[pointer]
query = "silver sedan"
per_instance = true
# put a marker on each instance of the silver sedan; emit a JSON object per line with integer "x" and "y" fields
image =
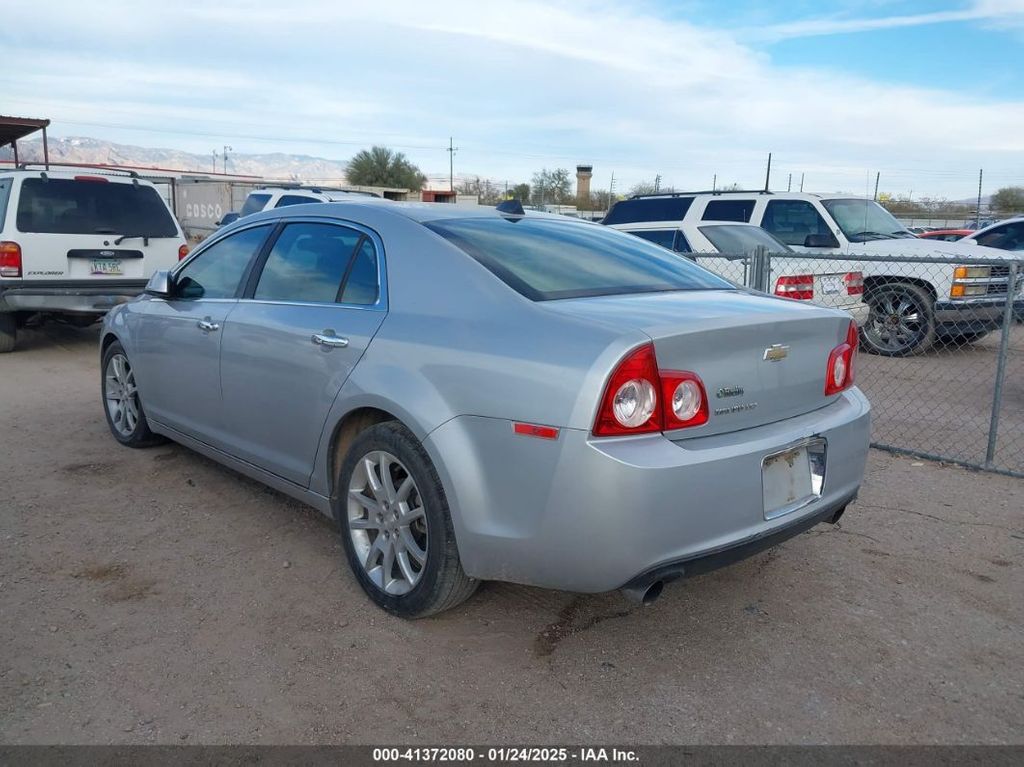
{"x": 478, "y": 394}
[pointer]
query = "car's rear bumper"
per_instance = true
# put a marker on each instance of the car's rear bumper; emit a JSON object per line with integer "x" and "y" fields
{"x": 591, "y": 515}
{"x": 72, "y": 297}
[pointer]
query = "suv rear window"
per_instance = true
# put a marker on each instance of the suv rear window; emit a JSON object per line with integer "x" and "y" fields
{"x": 545, "y": 260}
{"x": 648, "y": 209}
{"x": 67, "y": 206}
{"x": 729, "y": 210}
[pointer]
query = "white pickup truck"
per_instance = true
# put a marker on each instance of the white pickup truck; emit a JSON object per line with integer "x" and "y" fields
{"x": 954, "y": 291}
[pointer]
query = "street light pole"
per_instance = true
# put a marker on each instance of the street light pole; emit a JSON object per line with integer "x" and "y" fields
{"x": 226, "y": 150}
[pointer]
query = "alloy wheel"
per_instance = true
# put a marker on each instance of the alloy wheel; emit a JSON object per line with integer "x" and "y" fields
{"x": 122, "y": 395}
{"x": 387, "y": 523}
{"x": 896, "y": 323}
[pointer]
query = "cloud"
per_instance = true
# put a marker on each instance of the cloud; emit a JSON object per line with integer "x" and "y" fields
{"x": 520, "y": 86}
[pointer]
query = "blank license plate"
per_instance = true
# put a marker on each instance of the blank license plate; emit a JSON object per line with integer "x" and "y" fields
{"x": 786, "y": 481}
{"x": 106, "y": 266}
{"x": 831, "y": 284}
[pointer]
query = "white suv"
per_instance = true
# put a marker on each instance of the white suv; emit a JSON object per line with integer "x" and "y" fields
{"x": 267, "y": 198}
{"x": 912, "y": 305}
{"x": 76, "y": 244}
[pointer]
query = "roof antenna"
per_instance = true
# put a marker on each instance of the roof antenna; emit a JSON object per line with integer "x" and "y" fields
{"x": 511, "y": 208}
{"x": 768, "y": 173}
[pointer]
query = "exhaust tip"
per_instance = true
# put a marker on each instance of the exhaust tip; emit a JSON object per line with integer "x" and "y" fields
{"x": 644, "y": 595}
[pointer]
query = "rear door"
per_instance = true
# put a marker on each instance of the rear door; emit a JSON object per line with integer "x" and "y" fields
{"x": 95, "y": 229}
{"x": 178, "y": 340}
{"x": 312, "y": 305}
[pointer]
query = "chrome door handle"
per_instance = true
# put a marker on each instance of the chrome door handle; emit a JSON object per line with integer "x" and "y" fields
{"x": 207, "y": 326}
{"x": 330, "y": 341}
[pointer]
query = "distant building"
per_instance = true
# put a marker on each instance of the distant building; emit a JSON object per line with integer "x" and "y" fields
{"x": 583, "y": 175}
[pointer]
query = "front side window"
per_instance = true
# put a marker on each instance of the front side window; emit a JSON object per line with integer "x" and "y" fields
{"x": 294, "y": 199}
{"x": 1007, "y": 237}
{"x": 793, "y": 220}
{"x": 664, "y": 237}
{"x": 729, "y": 210}
{"x": 864, "y": 220}
{"x": 307, "y": 263}
{"x": 545, "y": 260}
{"x": 217, "y": 271}
{"x": 254, "y": 203}
{"x": 737, "y": 240}
{"x": 71, "y": 206}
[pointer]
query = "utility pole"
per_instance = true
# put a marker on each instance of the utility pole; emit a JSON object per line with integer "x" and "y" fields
{"x": 657, "y": 183}
{"x": 611, "y": 191}
{"x": 768, "y": 173}
{"x": 801, "y": 182}
{"x": 714, "y": 182}
{"x": 878, "y": 176}
{"x": 977, "y": 219}
{"x": 452, "y": 149}
{"x": 789, "y": 184}
{"x": 226, "y": 150}
{"x": 214, "y": 153}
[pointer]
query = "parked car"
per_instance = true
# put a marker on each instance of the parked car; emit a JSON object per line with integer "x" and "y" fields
{"x": 73, "y": 245}
{"x": 946, "y": 235}
{"x": 795, "y": 277}
{"x": 270, "y": 197}
{"x": 229, "y": 218}
{"x": 912, "y": 305}
{"x": 477, "y": 395}
{"x": 1004, "y": 235}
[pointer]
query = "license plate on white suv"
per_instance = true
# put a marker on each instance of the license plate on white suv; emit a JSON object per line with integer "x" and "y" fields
{"x": 832, "y": 284}
{"x": 106, "y": 266}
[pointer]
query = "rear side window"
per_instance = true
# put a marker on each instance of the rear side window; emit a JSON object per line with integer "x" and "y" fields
{"x": 648, "y": 209}
{"x": 545, "y": 260}
{"x": 361, "y": 286}
{"x": 253, "y": 204}
{"x": 217, "y": 271}
{"x": 792, "y": 220}
{"x": 294, "y": 199}
{"x": 5, "y": 195}
{"x": 307, "y": 263}
{"x": 67, "y": 206}
{"x": 729, "y": 210}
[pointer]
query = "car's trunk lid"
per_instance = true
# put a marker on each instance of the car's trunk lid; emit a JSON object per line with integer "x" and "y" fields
{"x": 762, "y": 359}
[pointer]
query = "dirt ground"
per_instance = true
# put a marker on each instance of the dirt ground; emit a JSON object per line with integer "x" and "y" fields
{"x": 155, "y": 597}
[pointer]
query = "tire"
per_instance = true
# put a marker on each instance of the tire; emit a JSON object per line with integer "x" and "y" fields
{"x": 963, "y": 339}
{"x": 125, "y": 415}
{"x": 385, "y": 555}
{"x": 8, "y": 332}
{"x": 901, "y": 322}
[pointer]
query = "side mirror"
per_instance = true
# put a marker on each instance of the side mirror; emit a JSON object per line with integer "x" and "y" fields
{"x": 160, "y": 284}
{"x": 821, "y": 241}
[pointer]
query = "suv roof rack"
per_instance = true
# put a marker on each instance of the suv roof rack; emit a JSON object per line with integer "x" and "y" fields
{"x": 303, "y": 187}
{"x": 103, "y": 169}
{"x": 703, "y": 191}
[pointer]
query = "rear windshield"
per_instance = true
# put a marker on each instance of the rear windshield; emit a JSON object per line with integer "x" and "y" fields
{"x": 547, "y": 260}
{"x": 732, "y": 239}
{"x": 648, "y": 209}
{"x": 66, "y": 206}
{"x": 253, "y": 204}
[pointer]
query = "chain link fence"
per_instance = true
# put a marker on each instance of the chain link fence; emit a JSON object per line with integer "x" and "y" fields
{"x": 942, "y": 349}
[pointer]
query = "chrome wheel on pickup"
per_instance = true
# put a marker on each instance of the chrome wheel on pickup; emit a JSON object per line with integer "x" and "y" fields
{"x": 901, "y": 320}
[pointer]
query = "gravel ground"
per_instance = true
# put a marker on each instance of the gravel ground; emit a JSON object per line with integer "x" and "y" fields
{"x": 155, "y": 597}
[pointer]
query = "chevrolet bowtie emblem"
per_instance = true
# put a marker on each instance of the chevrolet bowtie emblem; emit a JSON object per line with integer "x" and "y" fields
{"x": 776, "y": 352}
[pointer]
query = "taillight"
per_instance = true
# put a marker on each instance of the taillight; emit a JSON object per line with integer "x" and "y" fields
{"x": 10, "y": 259}
{"x": 796, "y": 286}
{"x": 94, "y": 179}
{"x": 839, "y": 373}
{"x": 182, "y": 252}
{"x": 640, "y": 399}
{"x": 854, "y": 282}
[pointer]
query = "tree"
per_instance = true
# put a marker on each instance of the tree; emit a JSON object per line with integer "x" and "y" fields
{"x": 380, "y": 166}
{"x": 1009, "y": 199}
{"x": 552, "y": 186}
{"x": 520, "y": 192}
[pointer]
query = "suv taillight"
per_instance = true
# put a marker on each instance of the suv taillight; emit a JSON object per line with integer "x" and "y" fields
{"x": 839, "y": 373}
{"x": 10, "y": 259}
{"x": 640, "y": 399}
{"x": 854, "y": 282}
{"x": 796, "y": 286}
{"x": 182, "y": 252}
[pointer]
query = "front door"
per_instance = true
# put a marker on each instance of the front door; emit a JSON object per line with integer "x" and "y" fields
{"x": 309, "y": 313}
{"x": 179, "y": 340}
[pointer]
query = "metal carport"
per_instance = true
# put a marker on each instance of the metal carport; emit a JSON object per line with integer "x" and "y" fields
{"x": 14, "y": 128}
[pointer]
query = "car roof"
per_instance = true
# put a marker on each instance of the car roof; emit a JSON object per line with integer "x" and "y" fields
{"x": 420, "y": 212}
{"x": 115, "y": 177}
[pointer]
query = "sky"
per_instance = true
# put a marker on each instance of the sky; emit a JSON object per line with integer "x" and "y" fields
{"x": 694, "y": 91}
